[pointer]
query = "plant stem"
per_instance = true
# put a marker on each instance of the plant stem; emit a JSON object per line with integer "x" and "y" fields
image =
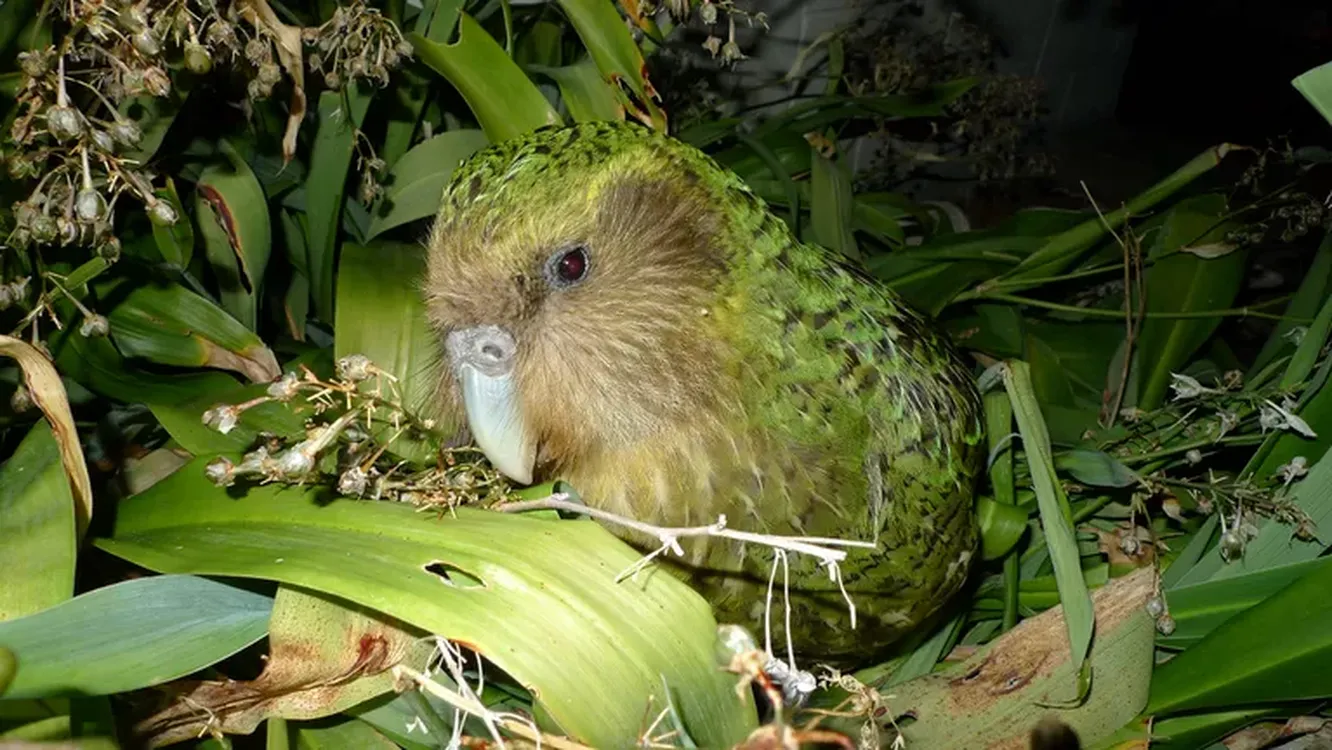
{"x": 1117, "y": 314}
{"x": 1185, "y": 447}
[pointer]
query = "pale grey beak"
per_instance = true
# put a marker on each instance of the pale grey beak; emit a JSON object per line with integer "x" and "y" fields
{"x": 482, "y": 358}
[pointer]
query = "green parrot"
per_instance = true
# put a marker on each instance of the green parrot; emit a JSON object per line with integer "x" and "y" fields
{"x": 617, "y": 310}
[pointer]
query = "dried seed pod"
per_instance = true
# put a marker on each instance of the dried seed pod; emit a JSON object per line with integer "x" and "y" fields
{"x": 34, "y": 63}
{"x": 64, "y": 123}
{"x": 44, "y": 229}
{"x": 89, "y": 205}
{"x": 1165, "y": 625}
{"x": 1232, "y": 546}
{"x": 197, "y": 58}
{"x": 157, "y": 81}
{"x": 146, "y": 43}
{"x": 21, "y": 401}
{"x": 161, "y": 213}
{"x": 126, "y": 133}
{"x": 94, "y": 326}
{"x": 103, "y": 141}
{"x": 707, "y": 13}
{"x": 109, "y": 249}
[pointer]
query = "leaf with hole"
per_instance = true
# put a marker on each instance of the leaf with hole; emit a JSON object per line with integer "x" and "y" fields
{"x": 549, "y": 611}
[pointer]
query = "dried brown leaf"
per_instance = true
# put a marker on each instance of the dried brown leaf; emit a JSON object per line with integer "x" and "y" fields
{"x": 44, "y": 386}
{"x": 325, "y": 656}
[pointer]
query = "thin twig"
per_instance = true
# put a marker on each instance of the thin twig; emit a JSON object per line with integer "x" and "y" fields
{"x": 819, "y": 547}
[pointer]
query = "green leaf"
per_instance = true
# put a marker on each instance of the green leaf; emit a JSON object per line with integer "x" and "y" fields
{"x": 548, "y": 612}
{"x": 148, "y": 631}
{"x": 96, "y": 364}
{"x": 1183, "y": 283}
{"x": 37, "y": 526}
{"x": 1096, "y": 468}
{"x": 14, "y": 17}
{"x": 350, "y": 734}
{"x": 154, "y": 116}
{"x": 832, "y": 204}
{"x": 921, "y": 661}
{"x": 1056, "y": 519}
{"x": 882, "y": 219}
{"x": 1194, "y": 731}
{"x": 611, "y": 45}
{"x": 504, "y": 101}
{"x": 586, "y": 95}
{"x": 1312, "y": 293}
{"x": 381, "y": 318}
{"x": 1002, "y": 525}
{"x": 8, "y": 665}
{"x": 340, "y": 115}
{"x": 415, "y": 185}
{"x": 168, "y": 324}
{"x": 825, "y": 111}
{"x": 175, "y": 242}
{"x": 182, "y": 415}
{"x": 1306, "y": 355}
{"x": 1316, "y": 86}
{"x": 1062, "y": 249}
{"x": 1241, "y": 662}
{"x": 237, "y": 238}
{"x": 1200, "y": 608}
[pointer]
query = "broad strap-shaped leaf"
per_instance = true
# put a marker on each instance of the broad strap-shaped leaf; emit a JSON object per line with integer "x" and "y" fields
{"x": 382, "y": 316}
{"x": 37, "y": 533}
{"x": 1061, "y": 250}
{"x": 547, "y": 611}
{"x": 47, "y": 392}
{"x": 1056, "y": 520}
{"x": 324, "y": 656}
{"x": 168, "y": 324}
{"x": 131, "y": 635}
{"x": 505, "y": 102}
{"x": 1200, "y": 608}
{"x": 237, "y": 236}
{"x": 415, "y": 186}
{"x": 831, "y": 203}
{"x": 1182, "y": 283}
{"x": 618, "y": 57}
{"x": 340, "y": 114}
{"x": 1278, "y": 650}
{"x": 586, "y": 95}
{"x": 1316, "y": 86}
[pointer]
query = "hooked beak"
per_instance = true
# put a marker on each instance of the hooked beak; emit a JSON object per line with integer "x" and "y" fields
{"x": 482, "y": 358}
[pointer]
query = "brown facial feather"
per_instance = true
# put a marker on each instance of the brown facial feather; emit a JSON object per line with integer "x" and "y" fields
{"x": 627, "y": 354}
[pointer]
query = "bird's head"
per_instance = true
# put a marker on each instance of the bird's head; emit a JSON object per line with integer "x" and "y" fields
{"x": 573, "y": 283}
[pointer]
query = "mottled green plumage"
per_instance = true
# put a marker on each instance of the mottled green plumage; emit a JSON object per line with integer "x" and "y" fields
{"x": 710, "y": 364}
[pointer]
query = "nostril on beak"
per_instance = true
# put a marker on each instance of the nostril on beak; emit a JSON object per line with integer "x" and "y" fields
{"x": 487, "y": 348}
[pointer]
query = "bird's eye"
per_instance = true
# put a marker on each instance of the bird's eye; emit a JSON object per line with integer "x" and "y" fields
{"x": 568, "y": 267}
